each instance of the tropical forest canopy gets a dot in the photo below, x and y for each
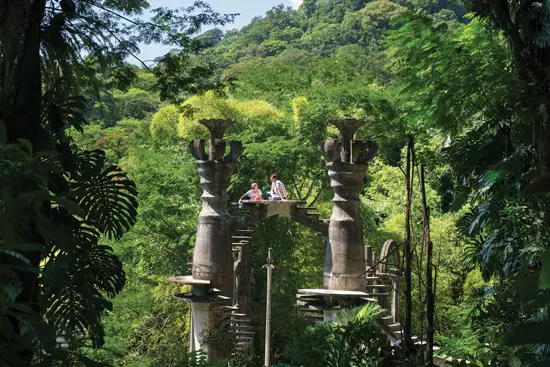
(100, 197)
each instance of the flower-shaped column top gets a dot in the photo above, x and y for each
(348, 128)
(347, 150)
(217, 128)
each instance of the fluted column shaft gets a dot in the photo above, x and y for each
(347, 162)
(345, 230)
(212, 259)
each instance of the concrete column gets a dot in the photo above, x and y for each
(244, 276)
(346, 164)
(212, 257)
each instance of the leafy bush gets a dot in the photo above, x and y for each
(350, 339)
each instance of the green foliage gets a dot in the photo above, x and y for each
(256, 118)
(298, 258)
(457, 87)
(350, 340)
(164, 124)
(438, 69)
(76, 272)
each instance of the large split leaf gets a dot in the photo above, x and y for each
(110, 200)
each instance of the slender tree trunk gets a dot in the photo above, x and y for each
(407, 249)
(429, 280)
(20, 79)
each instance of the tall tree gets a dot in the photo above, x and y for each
(57, 200)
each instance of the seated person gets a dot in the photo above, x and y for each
(278, 191)
(253, 194)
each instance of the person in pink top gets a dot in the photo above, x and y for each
(254, 193)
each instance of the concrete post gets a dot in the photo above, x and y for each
(267, 350)
(346, 164)
(212, 258)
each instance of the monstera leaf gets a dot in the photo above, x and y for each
(78, 282)
(108, 197)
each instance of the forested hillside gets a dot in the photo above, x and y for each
(467, 81)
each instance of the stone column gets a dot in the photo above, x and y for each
(244, 276)
(212, 258)
(346, 164)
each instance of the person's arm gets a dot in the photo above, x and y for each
(241, 199)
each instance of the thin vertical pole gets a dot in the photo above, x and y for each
(408, 253)
(269, 267)
(429, 280)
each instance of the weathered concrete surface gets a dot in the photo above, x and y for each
(292, 209)
(346, 165)
(345, 230)
(212, 253)
(199, 325)
(243, 275)
(212, 257)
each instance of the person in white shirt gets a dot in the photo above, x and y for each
(278, 190)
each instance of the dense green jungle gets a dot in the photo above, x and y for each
(99, 195)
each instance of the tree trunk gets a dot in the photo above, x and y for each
(20, 79)
(429, 280)
(20, 106)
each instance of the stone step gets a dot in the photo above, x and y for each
(240, 320)
(244, 327)
(386, 318)
(368, 299)
(395, 325)
(241, 237)
(241, 344)
(315, 316)
(377, 294)
(244, 332)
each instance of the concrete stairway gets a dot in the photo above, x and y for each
(243, 331)
(240, 321)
